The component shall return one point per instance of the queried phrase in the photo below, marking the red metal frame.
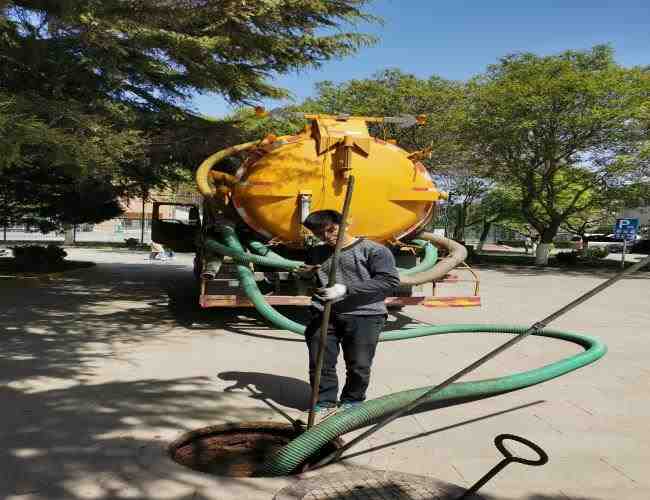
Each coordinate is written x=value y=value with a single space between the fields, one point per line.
x=234 y=300
x=304 y=300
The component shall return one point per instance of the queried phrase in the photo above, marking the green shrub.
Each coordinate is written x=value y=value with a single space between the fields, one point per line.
x=38 y=258
x=132 y=243
x=512 y=243
x=564 y=244
x=567 y=258
x=596 y=253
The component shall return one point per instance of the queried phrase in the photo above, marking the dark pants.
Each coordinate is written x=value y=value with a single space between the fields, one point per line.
x=357 y=336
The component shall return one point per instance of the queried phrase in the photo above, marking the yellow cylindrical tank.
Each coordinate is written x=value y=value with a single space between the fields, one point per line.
x=299 y=174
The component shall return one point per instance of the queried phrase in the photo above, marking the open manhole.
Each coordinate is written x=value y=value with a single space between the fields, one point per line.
x=237 y=449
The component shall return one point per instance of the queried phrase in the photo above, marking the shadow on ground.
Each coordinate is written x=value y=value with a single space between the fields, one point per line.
x=64 y=437
x=67 y=437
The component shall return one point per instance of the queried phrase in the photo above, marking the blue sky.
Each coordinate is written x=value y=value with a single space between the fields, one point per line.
x=457 y=39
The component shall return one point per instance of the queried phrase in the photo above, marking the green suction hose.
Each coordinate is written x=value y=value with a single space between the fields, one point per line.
x=267 y=257
x=427 y=262
x=241 y=256
x=290 y=457
x=249 y=285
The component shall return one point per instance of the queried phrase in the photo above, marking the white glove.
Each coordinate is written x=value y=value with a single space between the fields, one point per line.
x=332 y=293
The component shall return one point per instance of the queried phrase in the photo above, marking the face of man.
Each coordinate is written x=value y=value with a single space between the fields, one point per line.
x=328 y=234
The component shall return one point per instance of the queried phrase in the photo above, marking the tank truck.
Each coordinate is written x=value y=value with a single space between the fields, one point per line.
x=248 y=234
x=249 y=240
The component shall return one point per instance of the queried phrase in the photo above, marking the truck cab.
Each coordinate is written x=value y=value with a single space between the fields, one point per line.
x=176 y=225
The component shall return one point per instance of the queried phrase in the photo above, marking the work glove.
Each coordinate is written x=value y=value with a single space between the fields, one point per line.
x=332 y=293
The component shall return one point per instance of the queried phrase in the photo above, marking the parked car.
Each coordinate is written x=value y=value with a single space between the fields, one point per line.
x=614 y=245
x=641 y=246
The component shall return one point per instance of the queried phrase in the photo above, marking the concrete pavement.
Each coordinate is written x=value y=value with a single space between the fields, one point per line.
x=104 y=366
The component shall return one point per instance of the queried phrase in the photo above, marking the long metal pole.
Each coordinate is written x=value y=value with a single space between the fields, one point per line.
x=536 y=327
x=327 y=309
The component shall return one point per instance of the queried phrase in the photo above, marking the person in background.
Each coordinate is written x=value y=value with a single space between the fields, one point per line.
x=157 y=251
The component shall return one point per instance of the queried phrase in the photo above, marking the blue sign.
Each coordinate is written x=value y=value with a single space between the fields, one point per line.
x=626 y=229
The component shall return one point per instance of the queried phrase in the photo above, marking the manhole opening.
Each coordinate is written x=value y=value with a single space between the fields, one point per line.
x=239 y=449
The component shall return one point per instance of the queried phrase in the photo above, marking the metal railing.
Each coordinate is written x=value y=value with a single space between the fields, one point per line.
x=113 y=231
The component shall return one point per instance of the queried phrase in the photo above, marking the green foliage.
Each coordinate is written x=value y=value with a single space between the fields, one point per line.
x=132 y=243
x=51 y=198
x=37 y=258
x=590 y=255
x=99 y=89
x=279 y=122
x=156 y=53
x=595 y=253
x=554 y=127
x=567 y=258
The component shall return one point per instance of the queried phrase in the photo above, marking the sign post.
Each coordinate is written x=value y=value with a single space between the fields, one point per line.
x=625 y=229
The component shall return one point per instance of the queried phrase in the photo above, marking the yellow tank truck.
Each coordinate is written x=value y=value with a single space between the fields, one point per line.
x=256 y=195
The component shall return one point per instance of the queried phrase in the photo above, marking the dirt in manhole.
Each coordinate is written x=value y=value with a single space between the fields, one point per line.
x=235 y=450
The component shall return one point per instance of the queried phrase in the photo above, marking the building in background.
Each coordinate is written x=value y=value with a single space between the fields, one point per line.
x=128 y=225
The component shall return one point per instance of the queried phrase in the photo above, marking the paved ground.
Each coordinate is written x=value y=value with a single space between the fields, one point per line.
x=103 y=367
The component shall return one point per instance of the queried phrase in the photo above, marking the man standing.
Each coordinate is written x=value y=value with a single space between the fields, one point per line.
x=365 y=275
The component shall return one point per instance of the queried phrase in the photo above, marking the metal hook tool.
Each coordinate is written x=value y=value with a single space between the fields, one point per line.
x=508 y=458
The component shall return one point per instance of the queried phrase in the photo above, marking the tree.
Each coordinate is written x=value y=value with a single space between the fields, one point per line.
x=38 y=197
x=587 y=220
x=281 y=121
x=499 y=205
x=465 y=189
x=555 y=127
x=95 y=86
x=157 y=53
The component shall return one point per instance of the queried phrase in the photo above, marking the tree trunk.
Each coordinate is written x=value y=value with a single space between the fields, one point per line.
x=68 y=238
x=459 y=230
x=546 y=240
x=484 y=234
x=542 y=253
